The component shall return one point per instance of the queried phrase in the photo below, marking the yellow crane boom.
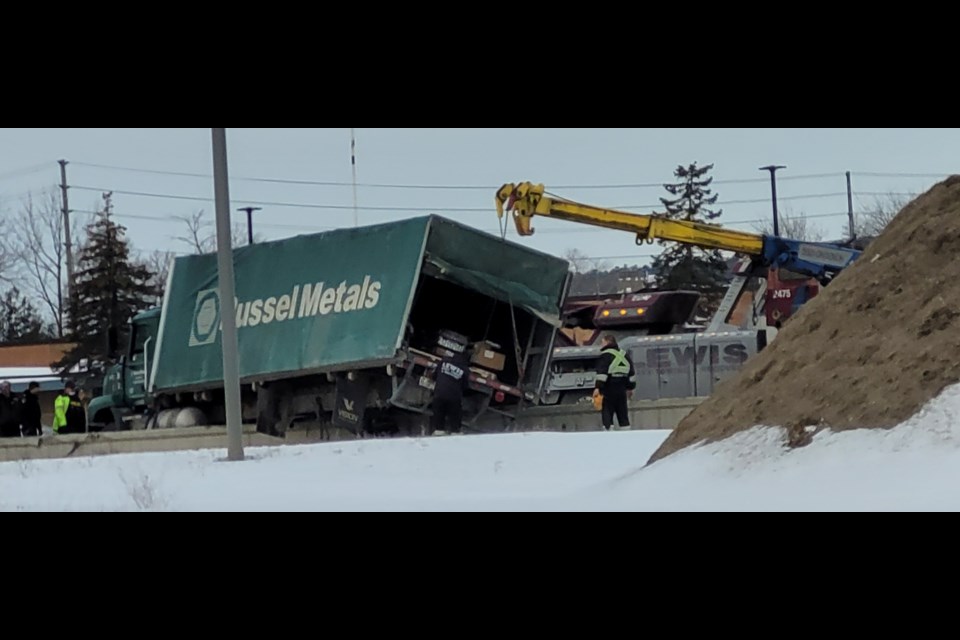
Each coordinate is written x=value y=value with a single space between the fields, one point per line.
x=526 y=200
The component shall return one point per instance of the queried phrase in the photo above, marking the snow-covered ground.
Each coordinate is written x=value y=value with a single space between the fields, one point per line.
x=517 y=471
x=913 y=467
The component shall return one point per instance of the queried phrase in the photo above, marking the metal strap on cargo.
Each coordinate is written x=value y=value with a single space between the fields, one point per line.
x=518 y=349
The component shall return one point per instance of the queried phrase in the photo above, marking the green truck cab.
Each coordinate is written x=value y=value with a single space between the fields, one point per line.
x=124 y=384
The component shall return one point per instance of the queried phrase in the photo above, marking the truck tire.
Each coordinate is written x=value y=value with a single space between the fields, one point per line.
x=551 y=398
x=181 y=418
x=190 y=417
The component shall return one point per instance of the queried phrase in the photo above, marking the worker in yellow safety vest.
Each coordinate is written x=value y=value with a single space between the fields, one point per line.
x=69 y=415
x=616 y=380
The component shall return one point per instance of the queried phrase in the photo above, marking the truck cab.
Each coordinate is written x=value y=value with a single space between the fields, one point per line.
x=125 y=383
x=624 y=316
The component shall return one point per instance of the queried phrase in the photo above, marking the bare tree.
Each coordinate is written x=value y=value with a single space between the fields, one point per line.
x=579 y=262
x=38 y=245
x=8 y=260
x=8 y=252
x=201 y=235
x=590 y=274
x=198 y=237
x=158 y=263
x=875 y=217
x=794 y=226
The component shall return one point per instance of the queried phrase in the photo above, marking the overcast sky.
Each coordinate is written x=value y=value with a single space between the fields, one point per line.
x=460 y=170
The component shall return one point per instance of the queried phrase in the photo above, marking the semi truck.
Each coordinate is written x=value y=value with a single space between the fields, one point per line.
x=343 y=329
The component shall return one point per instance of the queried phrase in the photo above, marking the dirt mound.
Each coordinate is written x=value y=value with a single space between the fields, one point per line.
x=869 y=351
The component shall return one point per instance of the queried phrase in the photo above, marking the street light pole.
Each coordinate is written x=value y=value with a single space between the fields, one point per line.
x=249 y=211
x=228 y=319
x=773 y=194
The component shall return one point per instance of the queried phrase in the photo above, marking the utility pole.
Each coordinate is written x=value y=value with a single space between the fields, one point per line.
x=773 y=190
x=231 y=367
x=353 y=162
x=249 y=211
x=68 y=244
x=853 y=228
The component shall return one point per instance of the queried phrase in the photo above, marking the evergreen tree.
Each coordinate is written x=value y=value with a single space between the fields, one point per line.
x=19 y=320
x=687 y=267
x=108 y=290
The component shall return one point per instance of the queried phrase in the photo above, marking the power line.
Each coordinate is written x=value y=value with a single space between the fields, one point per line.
x=304 y=227
x=875 y=174
x=27 y=195
x=540 y=232
x=809 y=196
x=427 y=209
x=750 y=201
x=296 y=205
x=637 y=255
x=639 y=185
x=135 y=216
x=377 y=185
x=25 y=170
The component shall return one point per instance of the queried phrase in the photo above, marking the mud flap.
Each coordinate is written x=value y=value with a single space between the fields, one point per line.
x=267 y=410
x=351 y=403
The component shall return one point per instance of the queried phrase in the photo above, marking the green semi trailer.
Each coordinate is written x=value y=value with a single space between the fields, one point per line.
x=343 y=329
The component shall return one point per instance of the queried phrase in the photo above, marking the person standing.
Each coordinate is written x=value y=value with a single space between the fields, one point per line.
x=31 y=413
x=616 y=381
x=452 y=380
x=9 y=412
x=69 y=414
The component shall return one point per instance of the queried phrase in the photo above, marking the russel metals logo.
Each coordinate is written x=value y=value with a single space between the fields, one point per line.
x=301 y=302
x=206 y=319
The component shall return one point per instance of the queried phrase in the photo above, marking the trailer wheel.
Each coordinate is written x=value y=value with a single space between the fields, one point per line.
x=552 y=398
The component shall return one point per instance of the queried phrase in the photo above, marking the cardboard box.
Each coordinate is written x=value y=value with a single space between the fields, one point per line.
x=581 y=337
x=485 y=355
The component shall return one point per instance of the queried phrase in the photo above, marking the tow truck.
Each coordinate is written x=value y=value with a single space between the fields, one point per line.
x=673 y=359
